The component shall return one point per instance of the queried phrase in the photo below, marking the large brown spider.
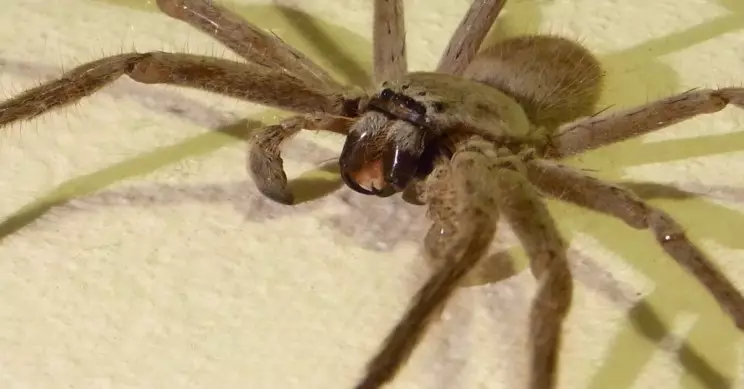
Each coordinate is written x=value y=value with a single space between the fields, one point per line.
x=477 y=138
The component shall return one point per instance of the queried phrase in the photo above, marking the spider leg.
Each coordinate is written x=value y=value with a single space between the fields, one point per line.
x=471 y=32
x=245 y=81
x=264 y=159
x=389 y=37
x=600 y=130
x=575 y=187
x=521 y=205
x=245 y=39
x=476 y=218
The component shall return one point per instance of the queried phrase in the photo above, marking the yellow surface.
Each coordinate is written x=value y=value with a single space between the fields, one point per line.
x=168 y=270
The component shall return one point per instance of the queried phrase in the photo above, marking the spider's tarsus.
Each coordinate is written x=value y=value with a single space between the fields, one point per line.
x=268 y=175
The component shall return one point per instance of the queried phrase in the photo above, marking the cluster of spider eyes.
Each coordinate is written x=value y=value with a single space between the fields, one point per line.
x=403 y=101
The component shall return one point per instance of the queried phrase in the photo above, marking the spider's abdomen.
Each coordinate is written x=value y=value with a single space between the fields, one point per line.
x=554 y=79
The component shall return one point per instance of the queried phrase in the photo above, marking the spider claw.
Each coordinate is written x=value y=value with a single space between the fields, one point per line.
x=267 y=171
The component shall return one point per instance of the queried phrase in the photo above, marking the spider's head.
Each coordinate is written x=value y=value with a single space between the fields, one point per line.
x=387 y=146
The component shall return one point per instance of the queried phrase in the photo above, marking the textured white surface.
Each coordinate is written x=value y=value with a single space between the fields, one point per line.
x=187 y=278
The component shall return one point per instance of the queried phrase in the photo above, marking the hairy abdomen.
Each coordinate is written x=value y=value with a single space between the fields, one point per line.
x=554 y=79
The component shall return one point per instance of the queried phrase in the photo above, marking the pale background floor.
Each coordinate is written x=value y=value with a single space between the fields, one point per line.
x=168 y=270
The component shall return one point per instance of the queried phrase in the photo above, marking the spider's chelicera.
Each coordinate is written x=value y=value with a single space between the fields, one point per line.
x=371 y=168
x=478 y=139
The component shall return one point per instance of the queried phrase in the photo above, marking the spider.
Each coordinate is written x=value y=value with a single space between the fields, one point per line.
x=477 y=138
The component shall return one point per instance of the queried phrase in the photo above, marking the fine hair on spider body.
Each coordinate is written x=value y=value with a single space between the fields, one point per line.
x=477 y=139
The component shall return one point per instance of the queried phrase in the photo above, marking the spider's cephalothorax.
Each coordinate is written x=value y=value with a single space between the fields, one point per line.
x=456 y=135
x=409 y=123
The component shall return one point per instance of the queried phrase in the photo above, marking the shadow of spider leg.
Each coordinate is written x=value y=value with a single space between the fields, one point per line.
x=570 y=185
